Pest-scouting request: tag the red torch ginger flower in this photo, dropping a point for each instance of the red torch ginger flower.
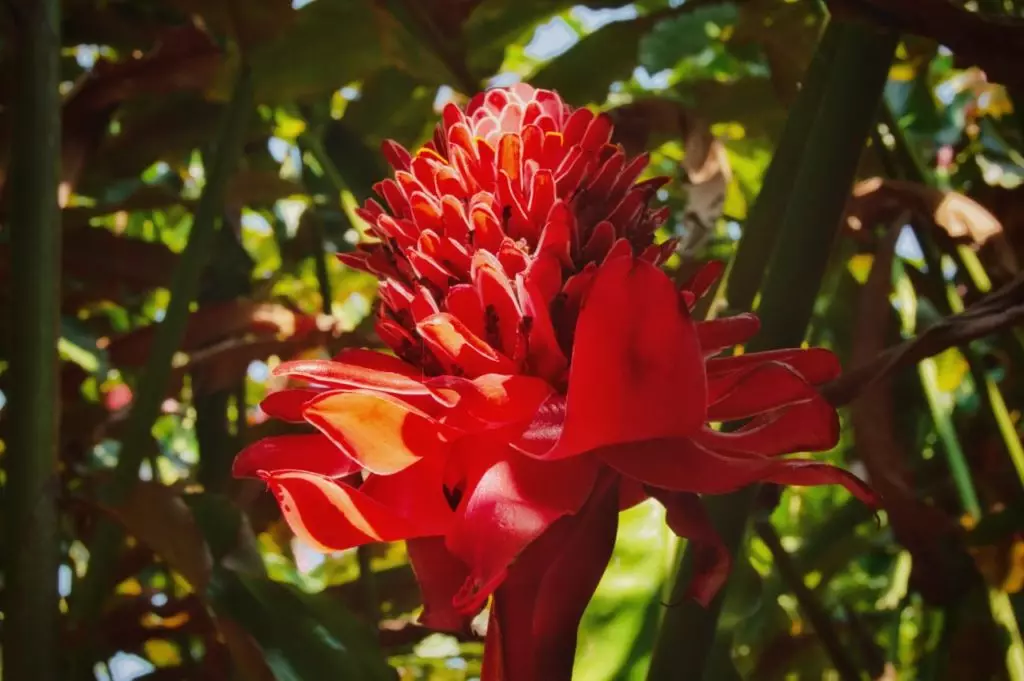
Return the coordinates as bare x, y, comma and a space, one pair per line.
546, 373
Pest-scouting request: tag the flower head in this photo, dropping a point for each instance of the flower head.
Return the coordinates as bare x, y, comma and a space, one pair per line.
545, 373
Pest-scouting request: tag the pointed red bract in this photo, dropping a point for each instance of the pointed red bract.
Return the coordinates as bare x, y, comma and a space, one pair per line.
545, 374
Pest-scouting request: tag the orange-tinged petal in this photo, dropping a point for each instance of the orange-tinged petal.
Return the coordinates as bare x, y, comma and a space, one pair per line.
332, 516
382, 433
457, 346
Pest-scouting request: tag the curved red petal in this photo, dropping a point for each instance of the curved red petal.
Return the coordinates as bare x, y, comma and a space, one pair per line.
358, 369
313, 453
382, 433
511, 504
637, 372
536, 612
460, 348
287, 404
685, 466
816, 365
686, 517
719, 334
493, 399
756, 389
808, 426
703, 278
331, 516
440, 575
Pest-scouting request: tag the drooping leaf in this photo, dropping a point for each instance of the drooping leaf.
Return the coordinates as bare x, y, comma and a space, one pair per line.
304, 637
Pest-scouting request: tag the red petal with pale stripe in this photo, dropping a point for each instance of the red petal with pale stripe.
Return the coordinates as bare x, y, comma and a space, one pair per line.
332, 516
720, 334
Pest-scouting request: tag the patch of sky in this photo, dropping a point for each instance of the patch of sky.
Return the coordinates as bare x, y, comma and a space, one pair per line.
907, 246
127, 667
253, 221
64, 578
503, 79
278, 148
299, 4
444, 95
593, 19
649, 81
86, 55
551, 39
258, 371
350, 92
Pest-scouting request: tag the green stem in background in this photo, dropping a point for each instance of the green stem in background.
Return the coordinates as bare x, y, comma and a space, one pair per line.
152, 388
761, 231
939, 404
813, 610
31, 553
845, 107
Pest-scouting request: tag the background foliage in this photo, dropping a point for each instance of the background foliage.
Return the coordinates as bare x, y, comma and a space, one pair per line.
212, 153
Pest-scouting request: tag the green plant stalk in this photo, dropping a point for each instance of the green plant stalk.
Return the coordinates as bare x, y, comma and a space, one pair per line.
156, 374
813, 610
29, 645
846, 107
999, 602
761, 232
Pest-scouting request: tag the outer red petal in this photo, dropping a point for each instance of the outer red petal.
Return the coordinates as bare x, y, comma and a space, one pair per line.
513, 502
331, 515
686, 516
685, 466
492, 400
313, 453
382, 433
817, 365
718, 334
536, 612
637, 372
440, 575
808, 426
287, 404
754, 390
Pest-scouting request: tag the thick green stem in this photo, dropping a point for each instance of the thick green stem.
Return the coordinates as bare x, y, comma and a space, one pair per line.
31, 554
846, 104
813, 610
156, 374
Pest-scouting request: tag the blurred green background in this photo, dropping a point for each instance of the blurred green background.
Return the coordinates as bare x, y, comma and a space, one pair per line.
194, 576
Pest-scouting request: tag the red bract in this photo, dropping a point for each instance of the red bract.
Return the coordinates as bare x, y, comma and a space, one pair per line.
546, 373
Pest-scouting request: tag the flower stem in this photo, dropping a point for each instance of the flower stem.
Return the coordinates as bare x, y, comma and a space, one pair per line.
829, 147
31, 552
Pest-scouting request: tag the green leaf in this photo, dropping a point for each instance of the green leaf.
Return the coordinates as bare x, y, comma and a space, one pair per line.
584, 72
495, 24
392, 105
304, 637
618, 627
687, 35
